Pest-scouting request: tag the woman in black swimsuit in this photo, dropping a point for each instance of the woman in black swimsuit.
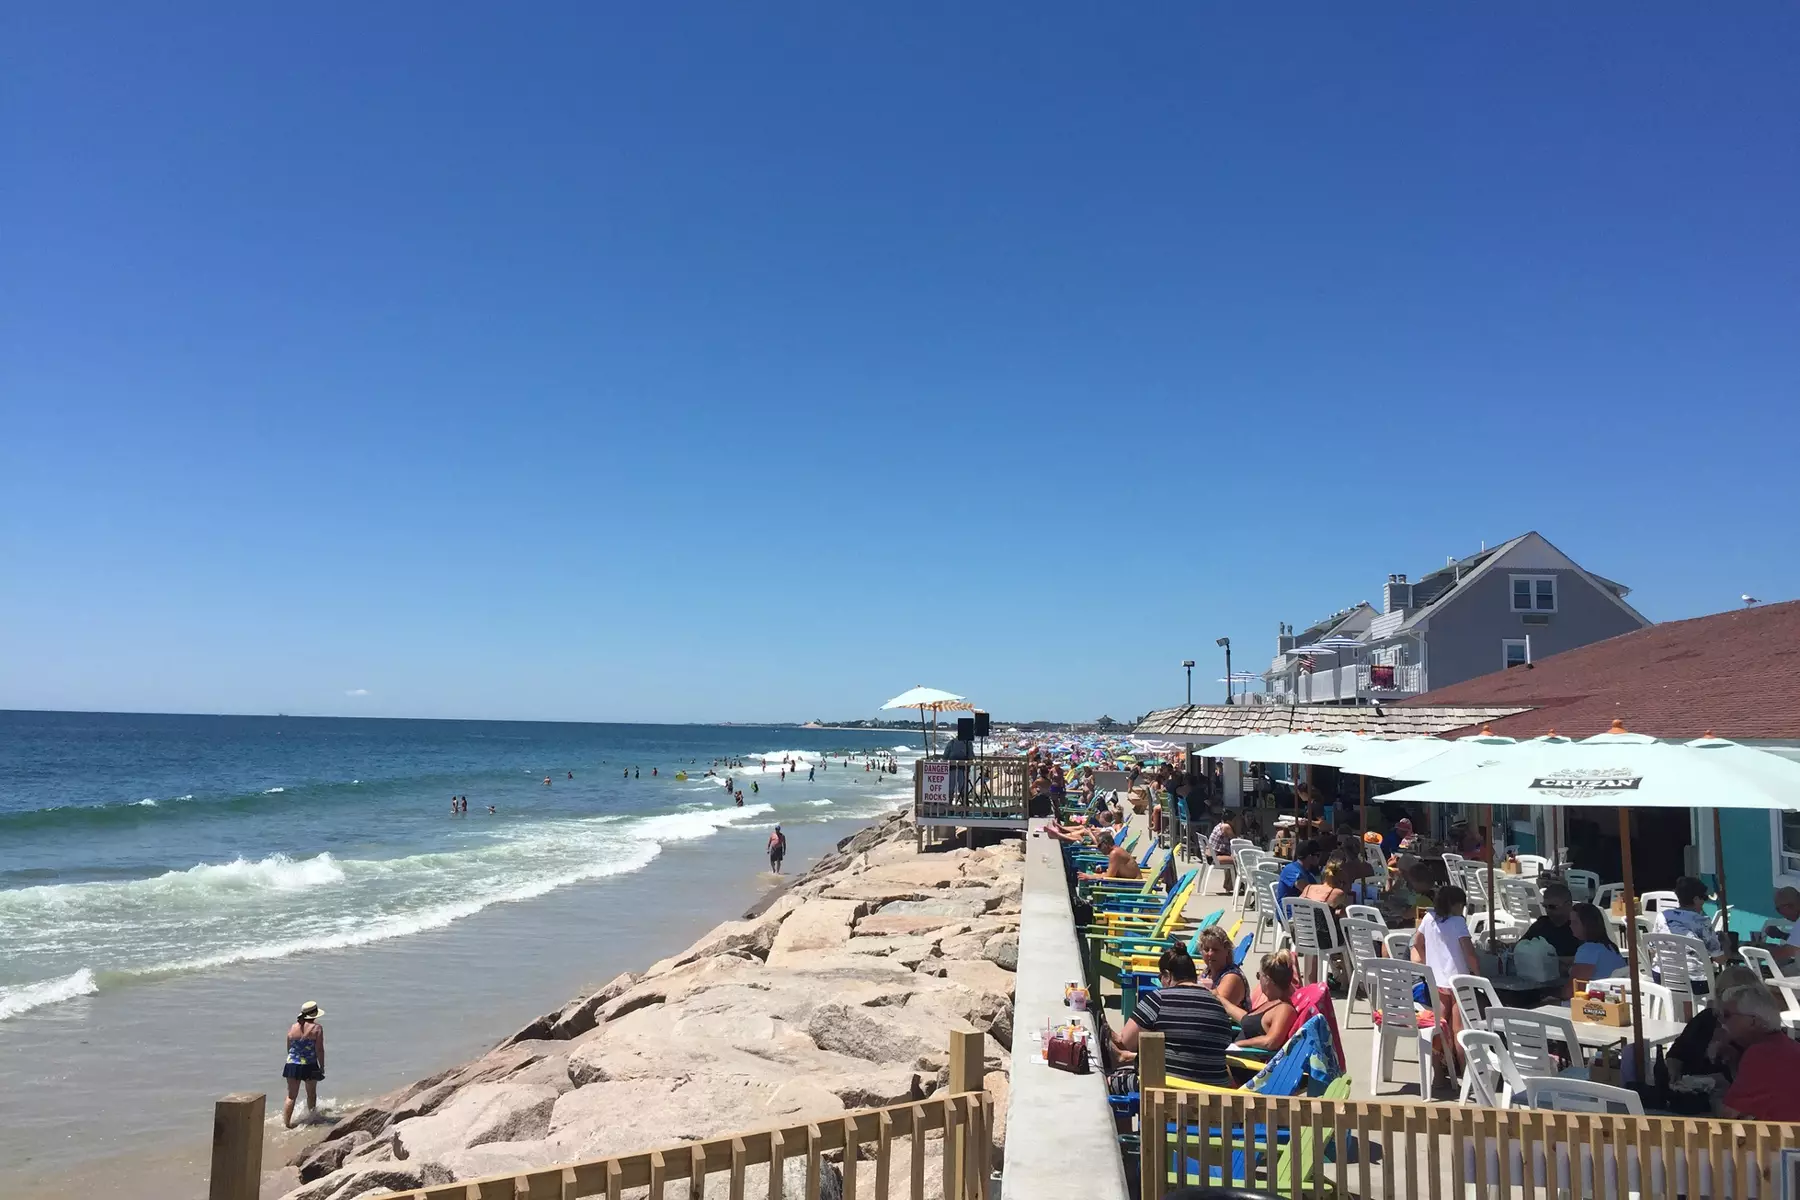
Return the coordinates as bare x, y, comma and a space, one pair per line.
1265, 1025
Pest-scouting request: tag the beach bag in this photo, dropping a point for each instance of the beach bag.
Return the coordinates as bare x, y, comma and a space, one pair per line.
1535, 960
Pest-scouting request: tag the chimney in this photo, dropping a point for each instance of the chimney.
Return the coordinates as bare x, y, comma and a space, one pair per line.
1284, 639
1397, 596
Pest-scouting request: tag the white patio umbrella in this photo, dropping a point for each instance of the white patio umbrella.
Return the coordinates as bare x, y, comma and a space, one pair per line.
1623, 770
932, 700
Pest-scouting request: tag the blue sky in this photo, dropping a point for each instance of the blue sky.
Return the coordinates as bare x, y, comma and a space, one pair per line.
741, 362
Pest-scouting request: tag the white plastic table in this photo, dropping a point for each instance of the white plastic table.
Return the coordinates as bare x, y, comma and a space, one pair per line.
1656, 1032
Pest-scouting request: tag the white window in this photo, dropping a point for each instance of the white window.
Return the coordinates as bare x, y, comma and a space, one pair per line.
1790, 843
1514, 652
1534, 593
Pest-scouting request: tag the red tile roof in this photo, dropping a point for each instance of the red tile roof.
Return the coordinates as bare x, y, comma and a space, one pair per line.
1735, 673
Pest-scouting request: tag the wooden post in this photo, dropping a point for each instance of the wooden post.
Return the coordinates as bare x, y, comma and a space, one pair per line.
1151, 1071
237, 1147
968, 1071
1637, 997
1487, 816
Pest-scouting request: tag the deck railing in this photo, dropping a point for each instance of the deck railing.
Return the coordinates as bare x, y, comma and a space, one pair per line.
857, 1146
1390, 1150
982, 790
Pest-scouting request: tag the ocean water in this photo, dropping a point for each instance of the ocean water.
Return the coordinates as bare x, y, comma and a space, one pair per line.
172, 886
135, 847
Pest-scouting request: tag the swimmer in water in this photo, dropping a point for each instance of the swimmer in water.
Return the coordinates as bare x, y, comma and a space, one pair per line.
653, 772
546, 781
490, 810
571, 774
740, 799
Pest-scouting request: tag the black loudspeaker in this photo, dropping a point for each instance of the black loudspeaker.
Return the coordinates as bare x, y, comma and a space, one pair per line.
981, 723
965, 729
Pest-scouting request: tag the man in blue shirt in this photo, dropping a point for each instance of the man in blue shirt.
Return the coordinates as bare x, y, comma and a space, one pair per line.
1302, 871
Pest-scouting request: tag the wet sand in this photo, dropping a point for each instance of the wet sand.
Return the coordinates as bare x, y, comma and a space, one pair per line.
112, 1095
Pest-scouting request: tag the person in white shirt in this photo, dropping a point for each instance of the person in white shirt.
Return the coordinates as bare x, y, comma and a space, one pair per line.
1787, 954
1443, 944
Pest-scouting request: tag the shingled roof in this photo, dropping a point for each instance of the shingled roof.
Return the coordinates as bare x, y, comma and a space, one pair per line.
1735, 673
1208, 721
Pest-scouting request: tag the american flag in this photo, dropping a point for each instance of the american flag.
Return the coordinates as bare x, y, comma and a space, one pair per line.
1306, 664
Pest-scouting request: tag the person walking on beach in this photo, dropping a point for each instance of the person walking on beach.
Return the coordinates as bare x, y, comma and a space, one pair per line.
305, 1061
777, 849
755, 788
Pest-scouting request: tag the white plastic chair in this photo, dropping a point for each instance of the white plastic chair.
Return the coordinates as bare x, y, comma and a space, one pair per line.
1270, 915
1399, 943
1362, 941
1366, 912
1244, 856
1605, 894
1583, 885
1475, 884
1453, 867
1394, 981
1532, 865
1528, 1036
1491, 1078
1764, 964
1520, 899
1580, 1095
1313, 929
1470, 991
1378, 863
1676, 961
1650, 902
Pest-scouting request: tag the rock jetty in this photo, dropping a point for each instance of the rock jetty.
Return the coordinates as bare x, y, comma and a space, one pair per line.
839, 994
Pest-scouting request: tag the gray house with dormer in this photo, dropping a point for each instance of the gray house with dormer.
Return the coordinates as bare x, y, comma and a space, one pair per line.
1502, 607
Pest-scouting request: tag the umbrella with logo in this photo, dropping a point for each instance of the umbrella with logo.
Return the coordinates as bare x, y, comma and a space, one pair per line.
1625, 770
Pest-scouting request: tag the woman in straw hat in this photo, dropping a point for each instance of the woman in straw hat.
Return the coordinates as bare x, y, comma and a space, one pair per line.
305, 1060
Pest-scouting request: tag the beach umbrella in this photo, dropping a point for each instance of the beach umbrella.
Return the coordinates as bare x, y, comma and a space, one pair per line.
932, 700
1625, 771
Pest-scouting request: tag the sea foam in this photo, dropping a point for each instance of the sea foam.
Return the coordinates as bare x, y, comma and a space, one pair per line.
25, 997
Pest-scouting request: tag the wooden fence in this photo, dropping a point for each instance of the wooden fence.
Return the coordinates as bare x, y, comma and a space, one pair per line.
858, 1146
1393, 1150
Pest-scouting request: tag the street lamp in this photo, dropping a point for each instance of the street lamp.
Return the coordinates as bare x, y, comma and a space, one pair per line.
1189, 664
1226, 642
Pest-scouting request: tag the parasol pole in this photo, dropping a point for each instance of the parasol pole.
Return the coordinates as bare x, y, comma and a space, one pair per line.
1487, 817
1637, 999
1719, 870
1363, 788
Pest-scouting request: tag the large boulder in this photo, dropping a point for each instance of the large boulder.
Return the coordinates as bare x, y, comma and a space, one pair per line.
964, 904
880, 1035
481, 1113
886, 924
1003, 951
874, 891
322, 1158
979, 975
815, 925
923, 870
574, 1018
750, 937
356, 1181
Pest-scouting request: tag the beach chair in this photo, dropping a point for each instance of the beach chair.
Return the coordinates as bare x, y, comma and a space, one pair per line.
1490, 1077
1579, 1095
1763, 963
1362, 941
1298, 1155
1399, 943
1680, 963
1365, 912
1582, 884
1313, 928
1529, 1036
1398, 1019
1532, 865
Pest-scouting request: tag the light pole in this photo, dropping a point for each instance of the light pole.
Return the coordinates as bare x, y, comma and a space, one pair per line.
1189, 664
1226, 642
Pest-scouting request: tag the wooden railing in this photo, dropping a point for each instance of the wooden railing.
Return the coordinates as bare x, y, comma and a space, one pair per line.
1379, 1150
980, 789
856, 1142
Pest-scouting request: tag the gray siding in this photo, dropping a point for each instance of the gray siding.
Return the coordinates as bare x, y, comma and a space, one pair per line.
1466, 635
